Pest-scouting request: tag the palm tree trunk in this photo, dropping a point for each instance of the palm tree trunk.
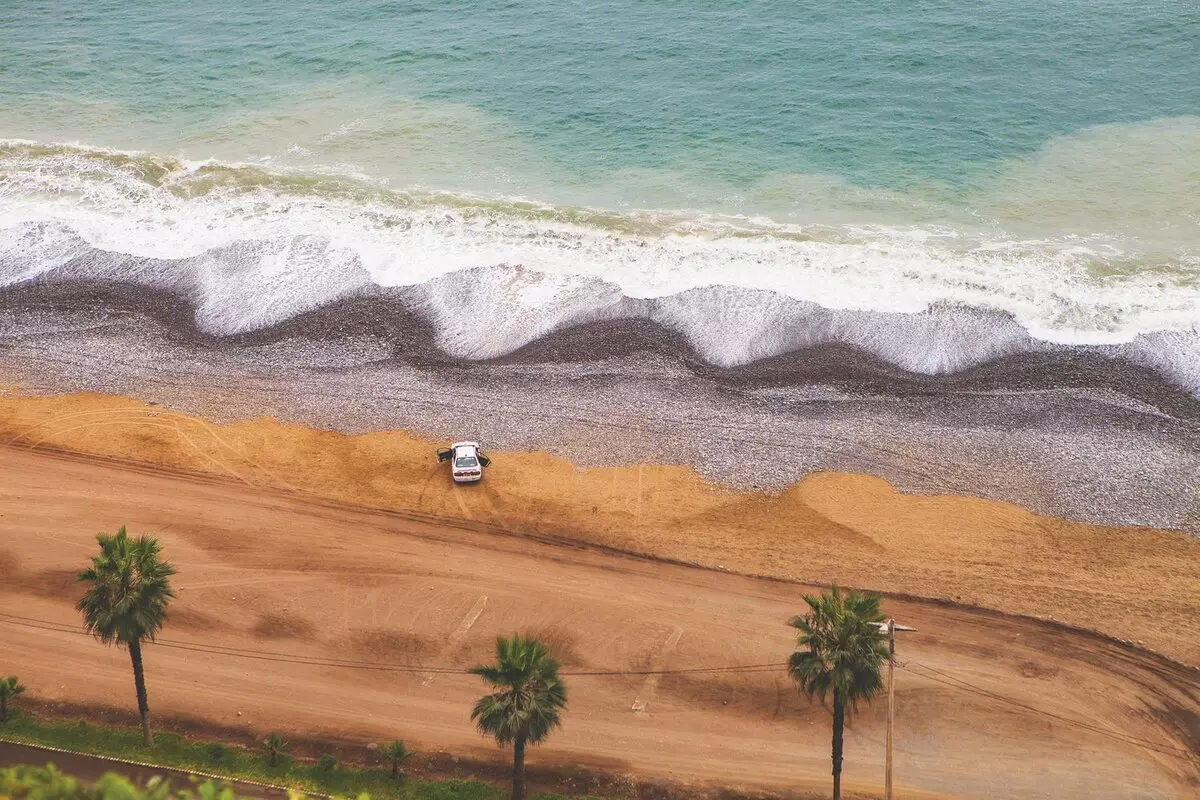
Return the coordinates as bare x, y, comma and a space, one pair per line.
518, 789
839, 718
139, 683
395, 768
3, 709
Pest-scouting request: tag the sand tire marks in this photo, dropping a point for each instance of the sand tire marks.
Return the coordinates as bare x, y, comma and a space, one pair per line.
650, 685
456, 636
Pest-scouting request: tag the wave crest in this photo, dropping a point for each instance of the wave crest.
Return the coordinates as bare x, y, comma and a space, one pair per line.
485, 313
249, 248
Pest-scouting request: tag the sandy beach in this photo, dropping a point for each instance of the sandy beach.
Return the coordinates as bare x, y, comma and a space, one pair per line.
1132, 583
318, 545
1088, 438
743, 301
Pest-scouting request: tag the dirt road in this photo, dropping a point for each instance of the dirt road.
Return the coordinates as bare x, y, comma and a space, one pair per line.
274, 587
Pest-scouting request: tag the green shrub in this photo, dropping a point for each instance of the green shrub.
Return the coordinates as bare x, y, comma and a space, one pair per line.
274, 748
327, 763
177, 752
47, 783
218, 753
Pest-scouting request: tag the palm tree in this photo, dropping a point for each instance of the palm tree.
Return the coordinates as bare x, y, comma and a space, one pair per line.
841, 653
524, 706
397, 753
126, 602
274, 748
10, 687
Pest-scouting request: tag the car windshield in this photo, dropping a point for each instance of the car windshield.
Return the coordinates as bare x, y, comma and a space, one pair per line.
466, 461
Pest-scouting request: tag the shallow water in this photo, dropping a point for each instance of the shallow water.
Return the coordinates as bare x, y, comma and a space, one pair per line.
1042, 159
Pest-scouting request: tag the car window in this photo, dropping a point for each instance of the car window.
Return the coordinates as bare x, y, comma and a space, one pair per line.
466, 461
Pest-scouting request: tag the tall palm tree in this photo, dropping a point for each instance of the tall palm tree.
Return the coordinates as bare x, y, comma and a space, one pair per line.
126, 602
10, 687
525, 702
840, 653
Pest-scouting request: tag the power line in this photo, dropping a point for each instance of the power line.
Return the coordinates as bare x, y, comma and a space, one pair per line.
939, 676
292, 658
958, 683
289, 658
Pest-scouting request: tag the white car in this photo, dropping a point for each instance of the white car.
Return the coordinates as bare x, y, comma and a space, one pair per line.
466, 461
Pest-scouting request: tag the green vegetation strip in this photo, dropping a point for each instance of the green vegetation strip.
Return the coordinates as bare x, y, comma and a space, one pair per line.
213, 759
211, 776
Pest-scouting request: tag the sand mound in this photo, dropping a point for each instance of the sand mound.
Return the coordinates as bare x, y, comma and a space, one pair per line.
1135, 583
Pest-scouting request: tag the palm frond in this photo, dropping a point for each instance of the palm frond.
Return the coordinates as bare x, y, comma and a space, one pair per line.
128, 591
528, 693
840, 650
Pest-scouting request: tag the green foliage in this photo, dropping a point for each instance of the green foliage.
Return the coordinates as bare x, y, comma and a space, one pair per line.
274, 748
171, 750
37, 782
454, 789
218, 753
129, 589
47, 783
841, 650
527, 696
395, 751
398, 754
525, 702
327, 762
10, 687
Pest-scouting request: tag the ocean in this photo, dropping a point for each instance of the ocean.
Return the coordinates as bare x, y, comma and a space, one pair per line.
935, 186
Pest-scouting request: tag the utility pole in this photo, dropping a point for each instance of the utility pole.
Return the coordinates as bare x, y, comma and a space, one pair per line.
891, 627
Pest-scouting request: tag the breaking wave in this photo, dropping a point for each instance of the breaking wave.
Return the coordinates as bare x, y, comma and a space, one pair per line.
249, 249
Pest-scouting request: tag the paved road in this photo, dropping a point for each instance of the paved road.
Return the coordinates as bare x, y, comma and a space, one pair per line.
90, 768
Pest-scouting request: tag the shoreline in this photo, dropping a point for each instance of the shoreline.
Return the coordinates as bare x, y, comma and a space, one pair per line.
401, 325
1088, 440
1135, 584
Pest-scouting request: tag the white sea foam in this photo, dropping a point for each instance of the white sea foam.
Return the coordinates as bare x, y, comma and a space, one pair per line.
1173, 354
250, 248
489, 312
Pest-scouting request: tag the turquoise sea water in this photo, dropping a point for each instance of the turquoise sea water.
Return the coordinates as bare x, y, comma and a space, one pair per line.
1039, 158
880, 94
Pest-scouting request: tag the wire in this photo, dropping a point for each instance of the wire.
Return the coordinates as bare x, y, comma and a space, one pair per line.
958, 683
775, 667
292, 658
289, 658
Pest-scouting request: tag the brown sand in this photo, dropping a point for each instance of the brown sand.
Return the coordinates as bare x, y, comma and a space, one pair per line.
1133, 583
988, 705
